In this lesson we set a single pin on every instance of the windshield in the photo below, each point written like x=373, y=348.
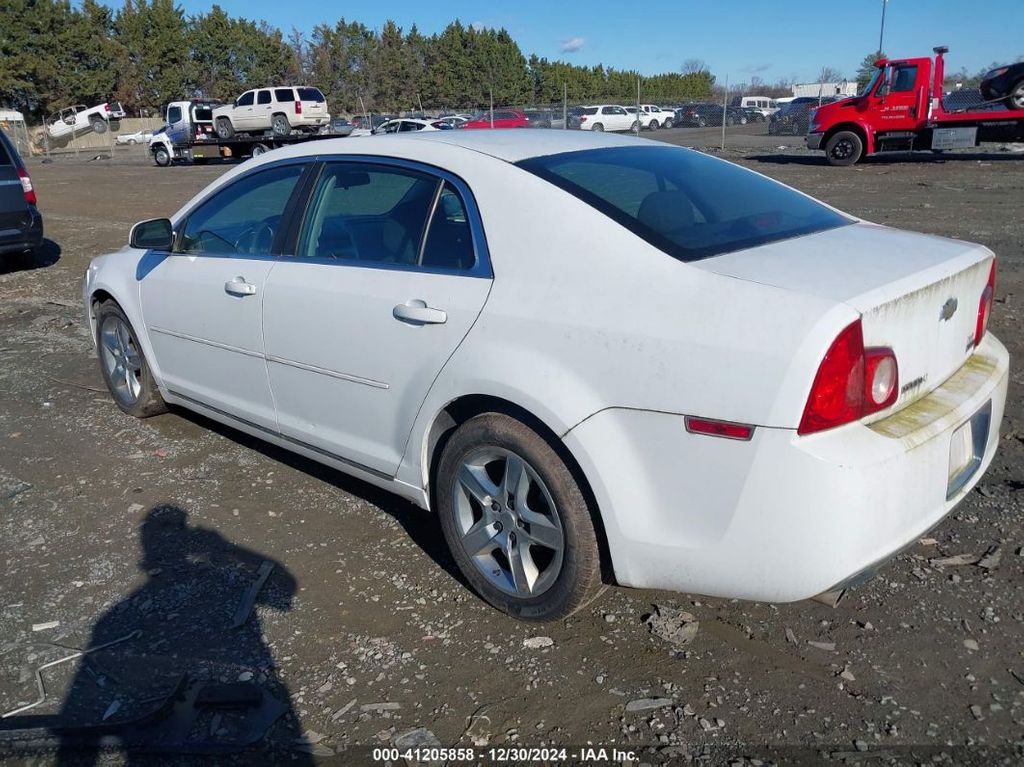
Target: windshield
x=685, y=203
x=871, y=83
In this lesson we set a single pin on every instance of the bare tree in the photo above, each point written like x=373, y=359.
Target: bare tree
x=693, y=66
x=829, y=75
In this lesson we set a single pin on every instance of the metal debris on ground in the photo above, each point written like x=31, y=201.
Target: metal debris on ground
x=675, y=626
x=45, y=626
x=39, y=671
x=956, y=560
x=991, y=558
x=248, y=602
x=647, y=704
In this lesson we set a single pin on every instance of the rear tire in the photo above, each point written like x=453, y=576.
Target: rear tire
x=280, y=126
x=225, y=130
x=527, y=547
x=98, y=125
x=654, y=125
x=259, y=149
x=844, y=148
x=123, y=364
x=597, y=127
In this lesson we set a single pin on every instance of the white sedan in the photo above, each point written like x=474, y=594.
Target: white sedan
x=595, y=358
x=139, y=137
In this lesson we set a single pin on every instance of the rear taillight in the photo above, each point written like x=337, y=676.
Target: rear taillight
x=852, y=382
x=985, y=305
x=26, y=187
x=298, y=107
x=106, y=108
x=583, y=118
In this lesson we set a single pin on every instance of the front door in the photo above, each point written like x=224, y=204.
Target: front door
x=897, y=97
x=203, y=304
x=389, y=275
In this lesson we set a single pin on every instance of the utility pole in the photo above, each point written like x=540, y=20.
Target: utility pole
x=881, y=32
x=638, y=106
x=725, y=109
x=565, y=106
x=491, y=93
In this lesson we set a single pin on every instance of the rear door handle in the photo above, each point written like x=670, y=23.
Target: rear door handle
x=417, y=312
x=239, y=287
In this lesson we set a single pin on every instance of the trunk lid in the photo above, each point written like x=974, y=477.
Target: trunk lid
x=917, y=294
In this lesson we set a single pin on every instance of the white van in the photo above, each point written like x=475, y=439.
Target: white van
x=762, y=104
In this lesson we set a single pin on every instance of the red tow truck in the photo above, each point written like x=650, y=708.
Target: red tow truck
x=902, y=109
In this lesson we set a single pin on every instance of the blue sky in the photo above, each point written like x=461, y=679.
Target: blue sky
x=738, y=38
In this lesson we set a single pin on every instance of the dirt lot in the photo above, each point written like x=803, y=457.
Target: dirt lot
x=111, y=526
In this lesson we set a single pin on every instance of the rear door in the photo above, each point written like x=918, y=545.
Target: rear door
x=389, y=274
x=14, y=212
x=264, y=110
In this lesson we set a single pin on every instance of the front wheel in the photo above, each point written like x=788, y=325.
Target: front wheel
x=123, y=364
x=161, y=157
x=1016, y=98
x=516, y=520
x=844, y=148
x=225, y=129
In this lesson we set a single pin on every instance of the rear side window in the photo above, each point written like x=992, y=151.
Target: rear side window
x=368, y=213
x=588, y=111
x=5, y=153
x=284, y=94
x=685, y=203
x=311, y=94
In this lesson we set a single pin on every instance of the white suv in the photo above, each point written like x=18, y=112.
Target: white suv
x=606, y=117
x=280, y=110
x=656, y=117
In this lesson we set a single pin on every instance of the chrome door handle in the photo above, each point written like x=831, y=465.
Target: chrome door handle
x=239, y=287
x=417, y=312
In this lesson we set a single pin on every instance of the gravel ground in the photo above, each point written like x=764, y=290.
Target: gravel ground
x=112, y=527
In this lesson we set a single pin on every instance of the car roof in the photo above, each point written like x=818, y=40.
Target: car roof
x=508, y=144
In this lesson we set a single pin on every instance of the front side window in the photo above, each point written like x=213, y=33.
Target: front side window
x=174, y=115
x=263, y=97
x=903, y=78
x=687, y=204
x=243, y=218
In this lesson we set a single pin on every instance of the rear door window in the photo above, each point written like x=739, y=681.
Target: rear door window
x=685, y=203
x=372, y=214
x=263, y=97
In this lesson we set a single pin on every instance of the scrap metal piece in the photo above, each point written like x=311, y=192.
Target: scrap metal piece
x=248, y=602
x=39, y=671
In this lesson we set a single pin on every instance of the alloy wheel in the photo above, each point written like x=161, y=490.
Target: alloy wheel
x=507, y=521
x=121, y=360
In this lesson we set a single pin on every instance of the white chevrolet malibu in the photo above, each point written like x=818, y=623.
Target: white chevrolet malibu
x=596, y=358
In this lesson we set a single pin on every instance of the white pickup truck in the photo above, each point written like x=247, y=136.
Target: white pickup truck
x=76, y=119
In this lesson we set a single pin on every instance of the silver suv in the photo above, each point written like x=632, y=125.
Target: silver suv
x=280, y=110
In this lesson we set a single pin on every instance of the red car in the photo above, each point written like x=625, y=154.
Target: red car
x=506, y=118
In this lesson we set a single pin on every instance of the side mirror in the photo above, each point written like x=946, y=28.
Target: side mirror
x=155, y=234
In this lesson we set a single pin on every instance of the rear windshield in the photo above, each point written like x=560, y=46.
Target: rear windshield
x=203, y=113
x=685, y=203
x=311, y=94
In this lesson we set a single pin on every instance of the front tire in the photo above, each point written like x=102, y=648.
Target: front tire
x=844, y=148
x=225, y=130
x=1016, y=98
x=516, y=521
x=162, y=157
x=123, y=364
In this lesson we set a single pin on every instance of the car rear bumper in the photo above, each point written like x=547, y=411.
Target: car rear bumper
x=783, y=517
x=24, y=237
x=814, y=140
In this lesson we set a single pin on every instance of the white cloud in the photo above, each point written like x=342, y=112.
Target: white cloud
x=572, y=45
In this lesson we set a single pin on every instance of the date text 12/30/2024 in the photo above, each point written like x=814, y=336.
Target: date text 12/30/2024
x=498, y=754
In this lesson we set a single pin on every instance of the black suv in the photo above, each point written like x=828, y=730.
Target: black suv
x=21, y=226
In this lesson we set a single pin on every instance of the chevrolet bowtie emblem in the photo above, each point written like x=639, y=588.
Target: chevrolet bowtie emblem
x=948, y=309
